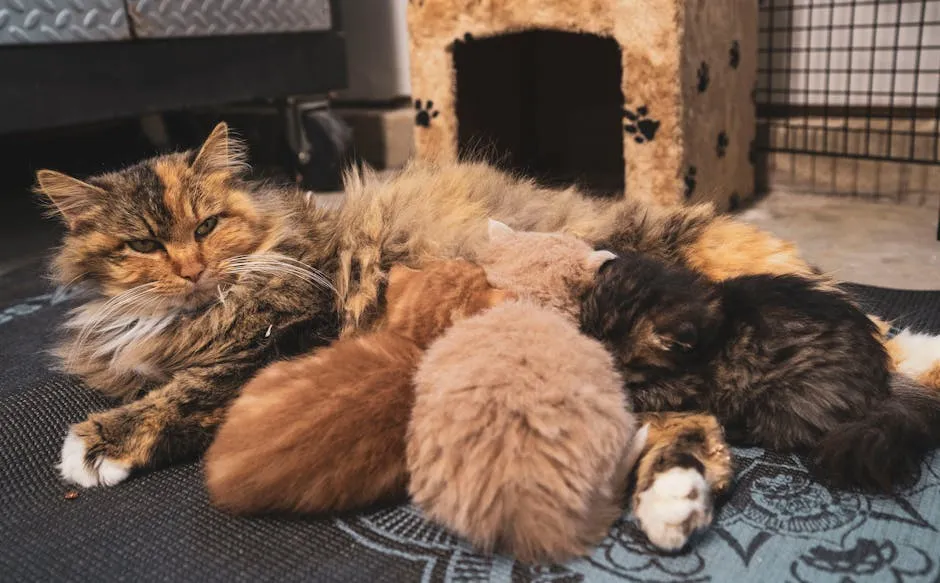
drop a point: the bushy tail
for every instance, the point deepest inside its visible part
(883, 450)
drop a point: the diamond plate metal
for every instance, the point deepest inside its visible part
(175, 18)
(55, 21)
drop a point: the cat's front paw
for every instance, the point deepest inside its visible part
(675, 505)
(78, 467)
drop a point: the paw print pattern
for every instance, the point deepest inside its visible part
(425, 113)
(722, 146)
(734, 54)
(703, 78)
(734, 201)
(640, 125)
(690, 181)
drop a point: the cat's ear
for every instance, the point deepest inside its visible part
(221, 152)
(598, 258)
(71, 198)
(498, 296)
(497, 229)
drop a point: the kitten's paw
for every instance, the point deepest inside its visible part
(676, 504)
(77, 468)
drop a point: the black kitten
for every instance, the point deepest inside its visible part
(780, 362)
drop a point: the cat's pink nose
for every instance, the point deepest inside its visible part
(191, 271)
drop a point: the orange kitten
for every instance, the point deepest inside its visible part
(326, 432)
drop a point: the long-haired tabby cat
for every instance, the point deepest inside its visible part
(175, 319)
(195, 279)
(521, 439)
(780, 361)
(326, 432)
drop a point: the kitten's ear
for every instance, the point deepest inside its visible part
(498, 296)
(71, 198)
(221, 152)
(497, 229)
(596, 259)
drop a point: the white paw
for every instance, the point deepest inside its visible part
(677, 504)
(98, 472)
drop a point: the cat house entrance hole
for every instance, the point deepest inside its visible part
(544, 103)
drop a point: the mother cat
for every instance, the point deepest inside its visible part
(198, 277)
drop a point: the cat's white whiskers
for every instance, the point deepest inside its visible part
(275, 269)
(275, 264)
(103, 319)
(93, 319)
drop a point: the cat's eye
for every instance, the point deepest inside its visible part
(206, 227)
(144, 245)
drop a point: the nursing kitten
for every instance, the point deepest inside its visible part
(781, 362)
(520, 435)
(326, 432)
(521, 439)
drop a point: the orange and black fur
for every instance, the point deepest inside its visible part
(198, 277)
(326, 432)
(782, 362)
(194, 280)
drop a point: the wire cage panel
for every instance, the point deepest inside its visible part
(858, 83)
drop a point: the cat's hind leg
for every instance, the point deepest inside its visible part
(173, 423)
(683, 465)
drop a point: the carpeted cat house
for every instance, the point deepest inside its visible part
(650, 97)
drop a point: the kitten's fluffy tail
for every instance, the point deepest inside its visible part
(884, 449)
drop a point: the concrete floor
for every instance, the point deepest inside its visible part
(883, 244)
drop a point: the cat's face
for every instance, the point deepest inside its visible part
(550, 268)
(166, 225)
(421, 304)
(651, 316)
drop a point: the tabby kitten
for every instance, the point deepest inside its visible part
(326, 432)
(780, 361)
(521, 439)
(194, 279)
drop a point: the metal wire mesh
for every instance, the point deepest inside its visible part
(848, 96)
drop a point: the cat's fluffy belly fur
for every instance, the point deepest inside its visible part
(440, 211)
